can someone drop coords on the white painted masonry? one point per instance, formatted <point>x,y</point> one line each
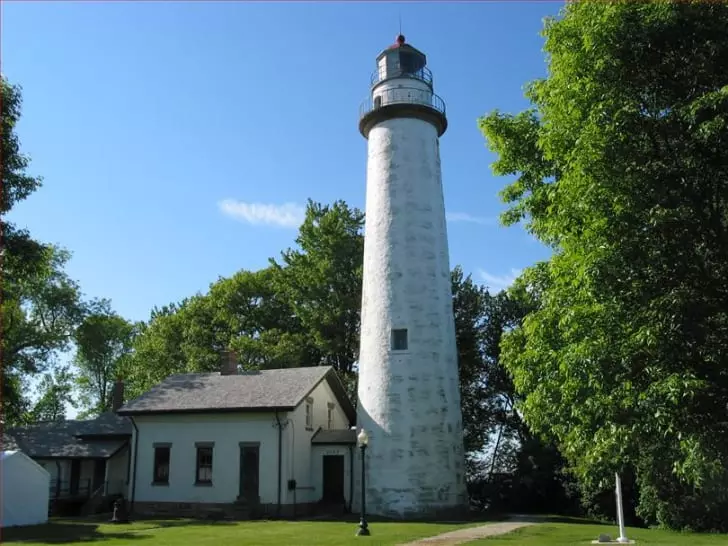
<point>226,430</point>
<point>300,459</point>
<point>409,401</point>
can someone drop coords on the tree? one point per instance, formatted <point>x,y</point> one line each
<point>621,167</point>
<point>103,341</point>
<point>55,392</point>
<point>39,304</point>
<point>323,281</point>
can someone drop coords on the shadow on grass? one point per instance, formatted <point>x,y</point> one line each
<point>474,517</point>
<point>72,531</point>
<point>552,518</point>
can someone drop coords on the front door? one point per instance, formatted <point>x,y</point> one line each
<point>99,473</point>
<point>333,489</point>
<point>249,472</point>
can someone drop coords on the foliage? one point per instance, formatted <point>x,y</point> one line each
<point>39,304</point>
<point>322,281</point>
<point>621,168</point>
<point>103,342</point>
<point>55,392</point>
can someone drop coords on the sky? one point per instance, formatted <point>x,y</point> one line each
<point>179,141</point>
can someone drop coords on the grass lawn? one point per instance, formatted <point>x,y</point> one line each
<point>188,532</point>
<point>565,534</point>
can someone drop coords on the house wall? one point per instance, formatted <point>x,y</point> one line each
<point>226,430</point>
<point>116,473</point>
<point>62,469</point>
<point>86,476</point>
<point>298,444</point>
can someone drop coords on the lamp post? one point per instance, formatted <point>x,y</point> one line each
<point>363,439</point>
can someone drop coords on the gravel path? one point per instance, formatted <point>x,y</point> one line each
<point>462,536</point>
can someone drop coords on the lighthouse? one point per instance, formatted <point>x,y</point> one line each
<point>409,396</point>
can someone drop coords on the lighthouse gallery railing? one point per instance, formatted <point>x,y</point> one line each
<point>402,95</point>
<point>387,73</point>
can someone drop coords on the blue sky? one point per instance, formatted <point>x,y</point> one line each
<point>144,117</point>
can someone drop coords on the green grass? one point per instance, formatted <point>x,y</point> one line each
<point>188,532</point>
<point>565,534</point>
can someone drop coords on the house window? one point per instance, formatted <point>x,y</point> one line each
<point>399,339</point>
<point>330,416</point>
<point>161,463</point>
<point>309,413</point>
<point>203,467</point>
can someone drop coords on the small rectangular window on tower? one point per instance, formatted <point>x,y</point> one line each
<point>399,339</point>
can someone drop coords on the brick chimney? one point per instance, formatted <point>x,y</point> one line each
<point>117,395</point>
<point>229,364</point>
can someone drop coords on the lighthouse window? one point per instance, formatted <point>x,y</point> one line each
<point>399,339</point>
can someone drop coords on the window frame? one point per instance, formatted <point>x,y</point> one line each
<point>394,339</point>
<point>309,413</point>
<point>330,415</point>
<point>157,463</point>
<point>201,449</point>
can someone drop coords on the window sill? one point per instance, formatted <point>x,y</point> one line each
<point>203,484</point>
<point>160,484</point>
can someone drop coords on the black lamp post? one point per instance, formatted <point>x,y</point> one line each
<point>363,440</point>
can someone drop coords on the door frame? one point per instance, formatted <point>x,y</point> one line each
<point>243,446</point>
<point>342,479</point>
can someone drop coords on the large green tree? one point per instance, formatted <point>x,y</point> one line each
<point>621,167</point>
<point>39,304</point>
<point>103,341</point>
<point>322,281</point>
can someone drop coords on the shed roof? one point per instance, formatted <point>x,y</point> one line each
<point>334,436</point>
<point>60,440</point>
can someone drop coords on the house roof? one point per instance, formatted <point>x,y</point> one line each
<point>265,390</point>
<point>334,436</point>
<point>60,440</point>
<point>106,424</point>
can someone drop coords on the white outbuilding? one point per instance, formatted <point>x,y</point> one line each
<point>25,490</point>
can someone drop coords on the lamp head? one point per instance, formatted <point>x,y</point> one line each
<point>363,438</point>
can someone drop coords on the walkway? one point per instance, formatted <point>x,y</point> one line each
<point>462,536</point>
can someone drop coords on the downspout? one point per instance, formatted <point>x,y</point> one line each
<point>351,475</point>
<point>134,468</point>
<point>280,462</point>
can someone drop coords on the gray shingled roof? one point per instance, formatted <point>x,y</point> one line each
<point>106,424</point>
<point>60,439</point>
<point>334,436</point>
<point>264,390</point>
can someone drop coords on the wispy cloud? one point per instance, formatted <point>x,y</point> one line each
<point>288,215</point>
<point>499,282</point>
<point>465,217</point>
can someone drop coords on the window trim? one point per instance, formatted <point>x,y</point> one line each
<point>199,446</point>
<point>155,447</point>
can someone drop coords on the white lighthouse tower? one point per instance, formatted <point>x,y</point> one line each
<point>409,397</point>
